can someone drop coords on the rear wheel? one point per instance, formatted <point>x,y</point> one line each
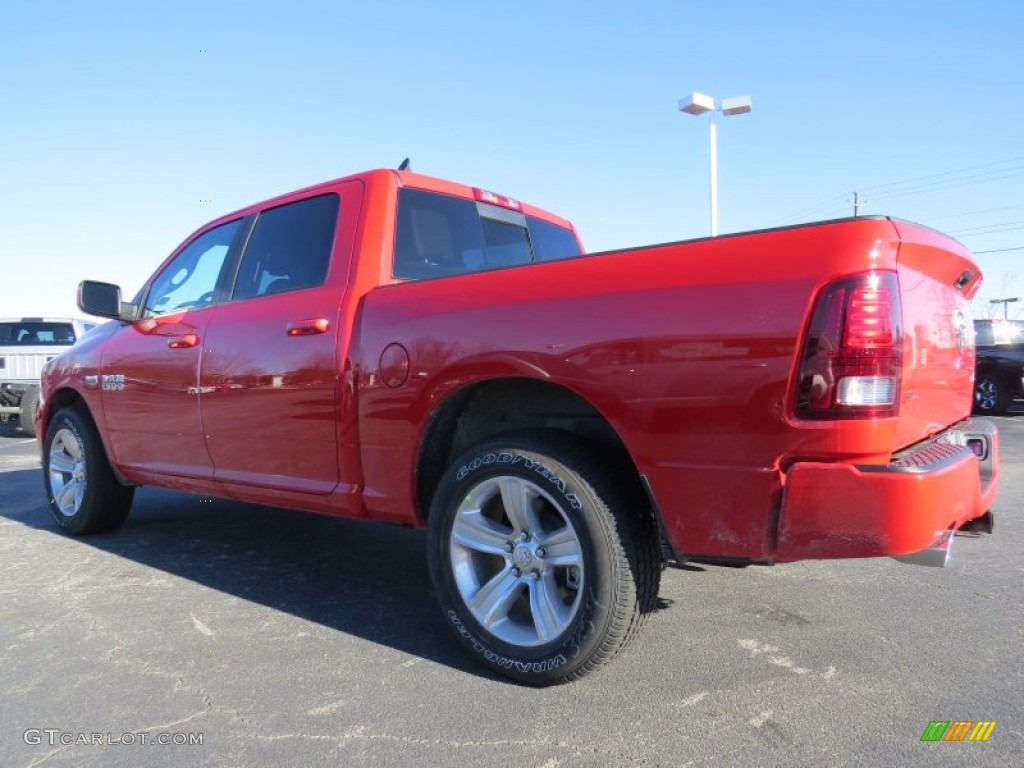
<point>544,556</point>
<point>991,395</point>
<point>84,495</point>
<point>29,407</point>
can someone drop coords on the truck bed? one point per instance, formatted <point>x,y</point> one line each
<point>689,351</point>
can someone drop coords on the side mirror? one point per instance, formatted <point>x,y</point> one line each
<point>104,300</point>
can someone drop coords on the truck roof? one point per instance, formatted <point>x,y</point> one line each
<point>404,179</point>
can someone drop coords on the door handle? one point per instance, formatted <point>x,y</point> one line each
<point>183,342</point>
<point>309,327</point>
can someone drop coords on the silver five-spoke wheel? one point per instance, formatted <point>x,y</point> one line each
<point>543,554</point>
<point>67,472</point>
<point>517,561</point>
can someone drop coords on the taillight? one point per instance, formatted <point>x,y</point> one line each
<point>853,356</point>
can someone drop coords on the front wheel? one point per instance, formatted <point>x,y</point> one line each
<point>84,495</point>
<point>543,556</point>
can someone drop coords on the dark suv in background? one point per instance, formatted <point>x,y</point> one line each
<point>999,375</point>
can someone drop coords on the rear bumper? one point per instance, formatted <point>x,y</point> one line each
<point>845,510</point>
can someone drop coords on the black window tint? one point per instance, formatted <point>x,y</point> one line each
<point>440,235</point>
<point>983,334</point>
<point>505,244</point>
<point>289,249</point>
<point>190,280</point>
<point>436,235</point>
<point>551,241</point>
<point>36,334</point>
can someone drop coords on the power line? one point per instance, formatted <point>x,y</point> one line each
<point>1001,250</point>
<point>943,173</point>
<point>999,170</point>
<point>988,229</point>
<point>974,213</point>
<point>951,184</point>
<point>832,202</point>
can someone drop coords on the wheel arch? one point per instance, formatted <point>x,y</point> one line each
<point>494,406</point>
<point>68,397</point>
<point>62,398</point>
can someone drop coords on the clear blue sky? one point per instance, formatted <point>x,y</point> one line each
<point>115,123</point>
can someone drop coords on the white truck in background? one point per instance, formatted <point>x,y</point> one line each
<point>26,345</point>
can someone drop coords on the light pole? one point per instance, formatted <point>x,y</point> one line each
<point>1006,305</point>
<point>698,104</point>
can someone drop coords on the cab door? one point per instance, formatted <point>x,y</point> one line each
<point>270,368</point>
<point>150,369</point>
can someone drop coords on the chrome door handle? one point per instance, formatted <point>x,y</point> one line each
<point>309,327</point>
<point>183,342</point>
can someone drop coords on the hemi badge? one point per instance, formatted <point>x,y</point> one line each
<point>91,380</point>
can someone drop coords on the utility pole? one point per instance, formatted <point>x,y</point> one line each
<point>856,203</point>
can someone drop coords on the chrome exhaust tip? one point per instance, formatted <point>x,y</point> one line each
<point>935,556</point>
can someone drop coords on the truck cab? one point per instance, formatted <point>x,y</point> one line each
<point>26,345</point>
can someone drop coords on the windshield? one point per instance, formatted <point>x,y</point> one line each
<point>36,333</point>
<point>997,332</point>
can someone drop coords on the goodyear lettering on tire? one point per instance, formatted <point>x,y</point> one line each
<point>513,459</point>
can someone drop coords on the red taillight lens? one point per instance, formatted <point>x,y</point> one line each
<point>853,357</point>
<point>868,318</point>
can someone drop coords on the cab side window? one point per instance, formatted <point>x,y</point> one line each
<point>190,280</point>
<point>289,249</point>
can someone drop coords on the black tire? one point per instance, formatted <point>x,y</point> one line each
<point>84,495</point>
<point>991,395</point>
<point>29,408</point>
<point>551,624</point>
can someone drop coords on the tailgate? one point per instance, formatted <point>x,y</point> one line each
<point>25,364</point>
<point>937,281</point>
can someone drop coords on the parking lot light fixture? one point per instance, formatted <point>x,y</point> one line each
<point>699,104</point>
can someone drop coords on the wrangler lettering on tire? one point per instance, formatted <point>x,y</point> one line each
<point>544,557</point>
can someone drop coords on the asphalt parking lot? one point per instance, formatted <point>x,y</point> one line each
<point>277,638</point>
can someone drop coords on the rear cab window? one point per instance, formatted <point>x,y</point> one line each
<point>438,235</point>
<point>36,333</point>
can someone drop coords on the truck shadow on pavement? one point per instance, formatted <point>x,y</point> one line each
<point>368,580</point>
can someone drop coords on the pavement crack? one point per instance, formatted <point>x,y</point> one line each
<point>43,758</point>
<point>174,723</point>
<point>361,733</point>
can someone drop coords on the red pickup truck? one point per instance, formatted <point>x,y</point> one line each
<point>396,347</point>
